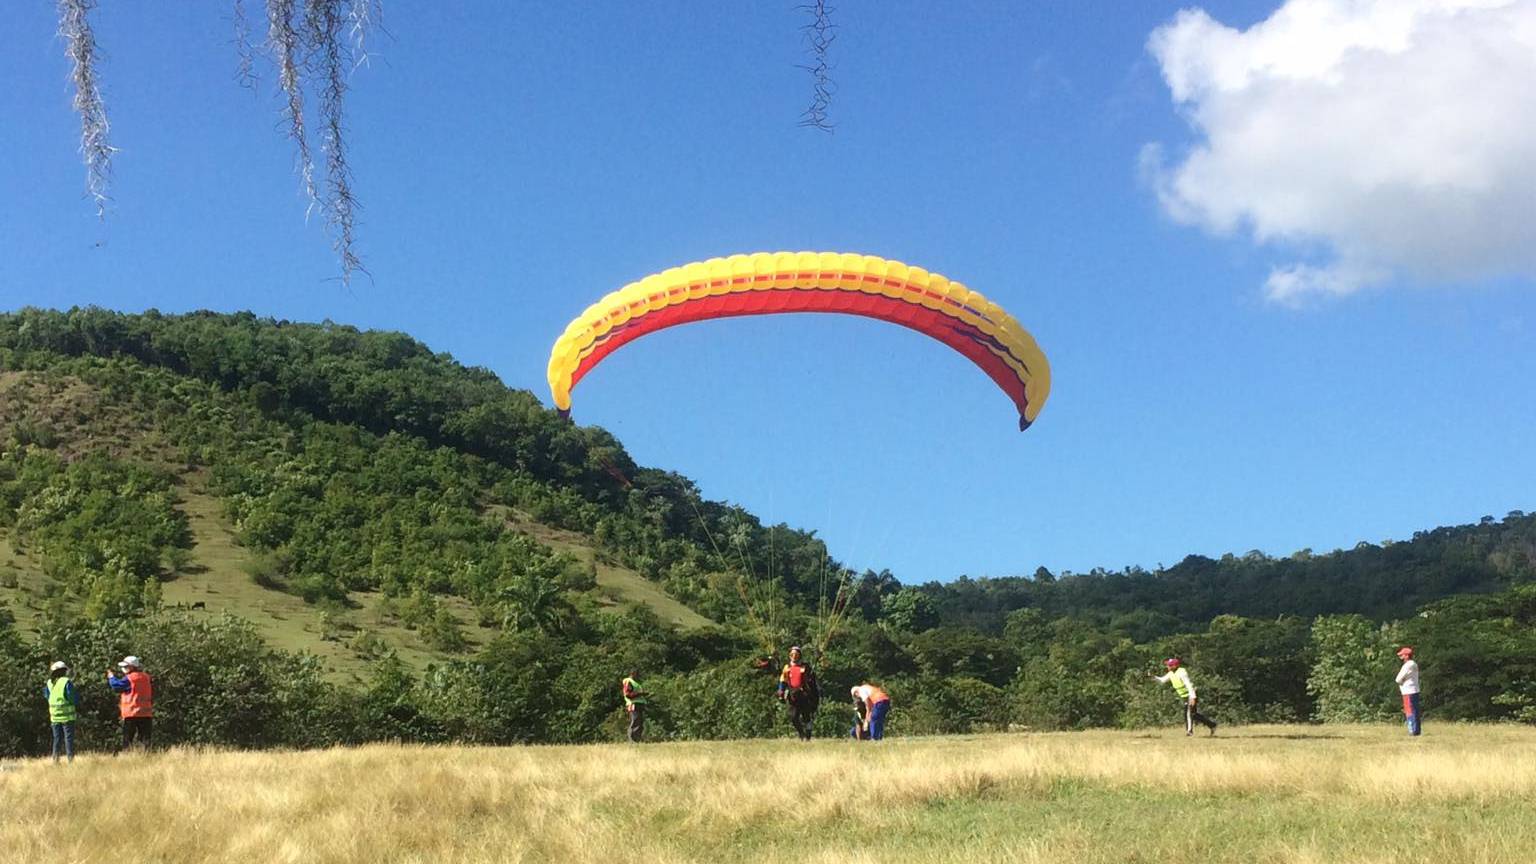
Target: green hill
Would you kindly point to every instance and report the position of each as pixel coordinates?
(214, 572)
(323, 535)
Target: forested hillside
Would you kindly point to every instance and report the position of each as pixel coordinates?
(316, 534)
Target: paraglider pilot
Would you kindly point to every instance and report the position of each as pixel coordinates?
(799, 693)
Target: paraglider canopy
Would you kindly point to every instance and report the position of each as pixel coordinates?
(783, 282)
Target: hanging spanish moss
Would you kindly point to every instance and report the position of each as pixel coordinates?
(318, 43)
(245, 72)
(80, 47)
(363, 18)
(323, 21)
(312, 44)
(284, 43)
(819, 33)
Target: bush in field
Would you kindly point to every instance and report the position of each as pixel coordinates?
(1477, 655)
(395, 706)
(1351, 676)
(726, 700)
(955, 705)
(1267, 661)
(1072, 681)
(444, 633)
(23, 712)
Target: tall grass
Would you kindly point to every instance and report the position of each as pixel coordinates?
(1261, 794)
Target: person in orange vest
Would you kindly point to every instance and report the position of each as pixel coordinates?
(135, 702)
(799, 693)
(876, 705)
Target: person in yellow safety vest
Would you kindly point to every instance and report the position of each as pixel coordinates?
(135, 702)
(1178, 676)
(634, 703)
(63, 708)
(800, 693)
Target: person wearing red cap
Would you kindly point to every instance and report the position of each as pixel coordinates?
(1408, 685)
(1178, 676)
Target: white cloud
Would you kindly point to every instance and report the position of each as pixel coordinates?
(1396, 136)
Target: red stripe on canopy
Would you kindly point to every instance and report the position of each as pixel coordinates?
(964, 338)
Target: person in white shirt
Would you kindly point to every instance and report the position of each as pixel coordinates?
(1178, 676)
(1408, 685)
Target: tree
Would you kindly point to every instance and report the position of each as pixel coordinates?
(531, 599)
(872, 591)
(910, 610)
(1477, 654)
(1265, 659)
(1352, 669)
(946, 652)
(1076, 684)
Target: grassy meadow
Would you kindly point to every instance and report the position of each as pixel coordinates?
(1461, 793)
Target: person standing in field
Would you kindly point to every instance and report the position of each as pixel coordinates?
(1178, 676)
(876, 705)
(634, 703)
(798, 691)
(1408, 685)
(63, 708)
(135, 702)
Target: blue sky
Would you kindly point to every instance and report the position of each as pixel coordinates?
(1318, 369)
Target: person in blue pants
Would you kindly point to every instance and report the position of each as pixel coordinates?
(1408, 685)
(876, 705)
(63, 709)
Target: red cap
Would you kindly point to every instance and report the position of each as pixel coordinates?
(1405, 652)
(1171, 662)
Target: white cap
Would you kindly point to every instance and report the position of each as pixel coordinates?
(57, 665)
(133, 661)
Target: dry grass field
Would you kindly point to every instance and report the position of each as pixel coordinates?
(1259, 794)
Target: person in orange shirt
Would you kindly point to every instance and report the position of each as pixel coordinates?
(135, 702)
(876, 704)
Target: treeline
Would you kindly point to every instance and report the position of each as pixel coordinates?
(558, 682)
(1390, 580)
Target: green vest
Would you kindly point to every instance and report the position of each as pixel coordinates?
(61, 708)
(1177, 681)
(632, 686)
